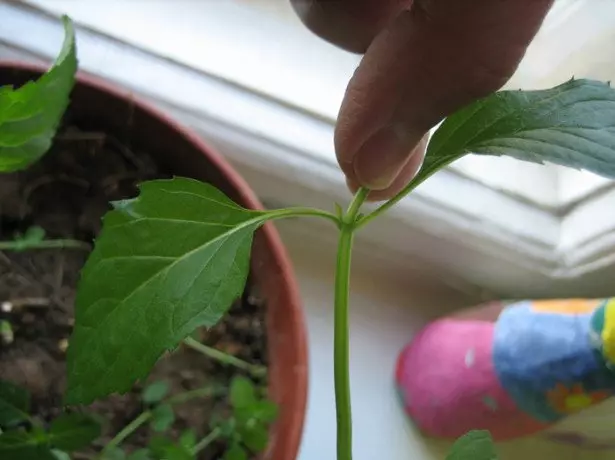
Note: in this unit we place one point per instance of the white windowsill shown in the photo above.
(239, 41)
(387, 311)
(503, 231)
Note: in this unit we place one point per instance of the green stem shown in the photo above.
(341, 347)
(254, 369)
(355, 205)
(146, 415)
(125, 432)
(418, 180)
(45, 244)
(207, 440)
(302, 212)
(389, 204)
(204, 392)
(341, 342)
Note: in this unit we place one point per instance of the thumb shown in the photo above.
(431, 60)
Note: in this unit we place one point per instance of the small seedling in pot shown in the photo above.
(159, 414)
(183, 248)
(6, 332)
(34, 238)
(34, 112)
(24, 437)
(247, 429)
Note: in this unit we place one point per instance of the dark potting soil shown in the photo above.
(67, 193)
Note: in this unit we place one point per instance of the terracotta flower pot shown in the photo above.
(183, 153)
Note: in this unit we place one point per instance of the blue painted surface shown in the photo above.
(534, 351)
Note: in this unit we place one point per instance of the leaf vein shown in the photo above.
(198, 274)
(520, 111)
(505, 142)
(254, 221)
(229, 204)
(174, 220)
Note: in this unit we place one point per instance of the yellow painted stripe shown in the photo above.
(567, 306)
(608, 333)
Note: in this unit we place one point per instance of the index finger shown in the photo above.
(349, 24)
(424, 60)
(433, 59)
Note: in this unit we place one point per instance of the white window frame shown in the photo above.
(509, 227)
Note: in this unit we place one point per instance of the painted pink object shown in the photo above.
(449, 387)
(513, 371)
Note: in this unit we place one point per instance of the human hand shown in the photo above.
(424, 59)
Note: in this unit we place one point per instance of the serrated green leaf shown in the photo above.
(475, 445)
(255, 437)
(162, 417)
(235, 452)
(570, 125)
(30, 115)
(14, 404)
(155, 392)
(166, 262)
(71, 432)
(242, 393)
(188, 439)
(19, 445)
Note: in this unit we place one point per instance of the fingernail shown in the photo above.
(380, 159)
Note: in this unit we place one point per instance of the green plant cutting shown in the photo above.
(183, 248)
(24, 437)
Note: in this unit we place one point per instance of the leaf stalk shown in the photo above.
(254, 369)
(146, 415)
(126, 432)
(206, 441)
(418, 180)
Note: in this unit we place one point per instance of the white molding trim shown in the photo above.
(453, 226)
(240, 41)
